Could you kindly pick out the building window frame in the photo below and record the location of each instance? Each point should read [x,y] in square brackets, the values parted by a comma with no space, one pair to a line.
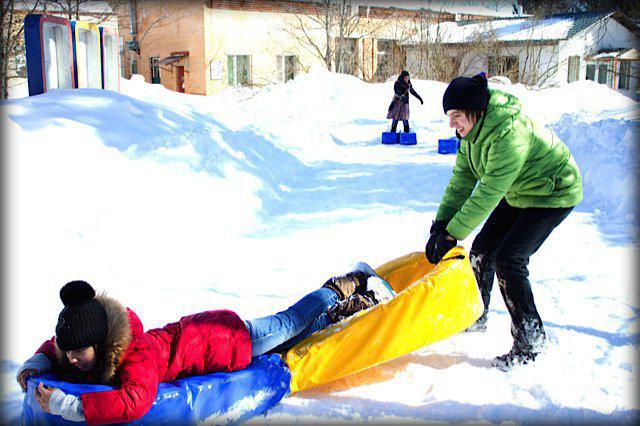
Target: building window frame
[624,75]
[573,68]
[505,65]
[590,72]
[287,65]
[602,72]
[155,70]
[133,66]
[234,78]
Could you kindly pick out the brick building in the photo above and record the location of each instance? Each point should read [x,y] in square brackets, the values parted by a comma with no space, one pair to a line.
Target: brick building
[203,46]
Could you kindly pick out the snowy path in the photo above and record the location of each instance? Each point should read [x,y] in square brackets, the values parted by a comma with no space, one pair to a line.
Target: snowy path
[178,203]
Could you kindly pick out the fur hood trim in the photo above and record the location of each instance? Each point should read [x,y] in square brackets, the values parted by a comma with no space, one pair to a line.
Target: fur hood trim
[115,344]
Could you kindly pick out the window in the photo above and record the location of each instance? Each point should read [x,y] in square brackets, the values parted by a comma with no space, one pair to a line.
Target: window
[239,70]
[574,69]
[346,55]
[134,66]
[287,67]
[610,72]
[591,72]
[385,59]
[155,70]
[504,65]
[623,76]
[602,73]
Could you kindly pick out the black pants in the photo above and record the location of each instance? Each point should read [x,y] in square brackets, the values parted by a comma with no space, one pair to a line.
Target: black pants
[394,125]
[503,247]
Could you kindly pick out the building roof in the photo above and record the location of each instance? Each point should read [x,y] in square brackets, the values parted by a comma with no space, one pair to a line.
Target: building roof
[91,7]
[494,8]
[620,54]
[552,28]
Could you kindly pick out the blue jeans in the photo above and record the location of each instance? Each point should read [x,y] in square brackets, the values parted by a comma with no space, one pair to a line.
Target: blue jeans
[286,328]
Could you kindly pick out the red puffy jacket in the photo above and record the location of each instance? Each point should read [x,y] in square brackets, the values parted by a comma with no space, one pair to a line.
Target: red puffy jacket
[135,362]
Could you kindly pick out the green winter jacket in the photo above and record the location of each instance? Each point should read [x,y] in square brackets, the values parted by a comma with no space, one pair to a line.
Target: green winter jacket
[511,158]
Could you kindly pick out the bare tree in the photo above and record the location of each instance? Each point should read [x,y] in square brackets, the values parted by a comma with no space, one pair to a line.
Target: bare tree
[11,40]
[327,33]
[73,9]
[154,14]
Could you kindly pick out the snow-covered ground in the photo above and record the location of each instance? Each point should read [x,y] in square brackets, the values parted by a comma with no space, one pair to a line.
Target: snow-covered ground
[249,199]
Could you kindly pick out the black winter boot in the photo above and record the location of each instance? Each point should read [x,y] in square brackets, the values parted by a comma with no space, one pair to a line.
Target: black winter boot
[514,358]
[480,326]
[529,342]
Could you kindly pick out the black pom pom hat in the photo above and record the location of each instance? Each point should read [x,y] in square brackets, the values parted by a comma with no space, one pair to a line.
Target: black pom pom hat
[464,93]
[83,321]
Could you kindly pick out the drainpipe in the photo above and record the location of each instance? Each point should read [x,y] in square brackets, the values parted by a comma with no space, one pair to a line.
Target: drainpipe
[133,26]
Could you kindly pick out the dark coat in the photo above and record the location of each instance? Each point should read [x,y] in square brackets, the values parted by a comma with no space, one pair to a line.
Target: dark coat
[135,362]
[399,107]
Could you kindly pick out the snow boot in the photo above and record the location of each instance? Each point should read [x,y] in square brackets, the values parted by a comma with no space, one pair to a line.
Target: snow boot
[480,326]
[381,289]
[514,358]
[347,284]
[355,303]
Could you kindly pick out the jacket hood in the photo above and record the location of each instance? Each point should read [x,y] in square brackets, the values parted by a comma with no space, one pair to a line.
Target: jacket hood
[123,325]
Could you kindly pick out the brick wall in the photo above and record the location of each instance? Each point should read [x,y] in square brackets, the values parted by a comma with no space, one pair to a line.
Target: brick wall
[180,29]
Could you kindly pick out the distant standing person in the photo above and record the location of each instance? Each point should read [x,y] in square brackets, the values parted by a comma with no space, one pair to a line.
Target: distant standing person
[520,175]
[399,107]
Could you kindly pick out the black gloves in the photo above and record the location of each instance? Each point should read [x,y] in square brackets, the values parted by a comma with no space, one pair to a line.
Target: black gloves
[437,226]
[438,244]
[421,101]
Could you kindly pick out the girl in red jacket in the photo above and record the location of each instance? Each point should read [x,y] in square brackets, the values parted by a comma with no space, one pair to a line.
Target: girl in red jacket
[98,340]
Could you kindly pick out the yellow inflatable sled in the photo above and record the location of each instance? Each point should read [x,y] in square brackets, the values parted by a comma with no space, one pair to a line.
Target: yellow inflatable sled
[431,304]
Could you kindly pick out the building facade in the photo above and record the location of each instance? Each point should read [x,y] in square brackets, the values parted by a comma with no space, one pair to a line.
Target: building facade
[204,46]
[545,52]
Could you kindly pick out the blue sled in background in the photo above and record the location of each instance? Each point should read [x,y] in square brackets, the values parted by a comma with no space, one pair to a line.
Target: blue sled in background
[391,138]
[218,398]
[448,146]
[408,139]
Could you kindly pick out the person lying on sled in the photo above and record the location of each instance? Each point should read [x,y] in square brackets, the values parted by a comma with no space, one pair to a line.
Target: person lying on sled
[98,340]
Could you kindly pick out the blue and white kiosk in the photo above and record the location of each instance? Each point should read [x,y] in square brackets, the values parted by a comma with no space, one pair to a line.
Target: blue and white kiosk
[87,62]
[110,59]
[48,45]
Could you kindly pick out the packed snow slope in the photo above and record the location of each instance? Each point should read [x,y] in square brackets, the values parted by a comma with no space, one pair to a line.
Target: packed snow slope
[249,199]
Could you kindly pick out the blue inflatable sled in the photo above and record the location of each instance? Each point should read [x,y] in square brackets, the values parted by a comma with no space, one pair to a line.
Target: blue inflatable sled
[216,398]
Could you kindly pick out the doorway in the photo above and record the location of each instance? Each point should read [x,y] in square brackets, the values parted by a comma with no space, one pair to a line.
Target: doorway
[180,79]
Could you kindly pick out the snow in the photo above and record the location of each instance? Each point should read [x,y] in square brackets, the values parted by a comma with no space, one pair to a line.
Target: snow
[235,412]
[251,198]
[518,29]
[501,8]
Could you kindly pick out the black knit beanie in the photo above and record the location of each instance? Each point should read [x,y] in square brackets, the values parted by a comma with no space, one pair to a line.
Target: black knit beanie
[466,93]
[83,321]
